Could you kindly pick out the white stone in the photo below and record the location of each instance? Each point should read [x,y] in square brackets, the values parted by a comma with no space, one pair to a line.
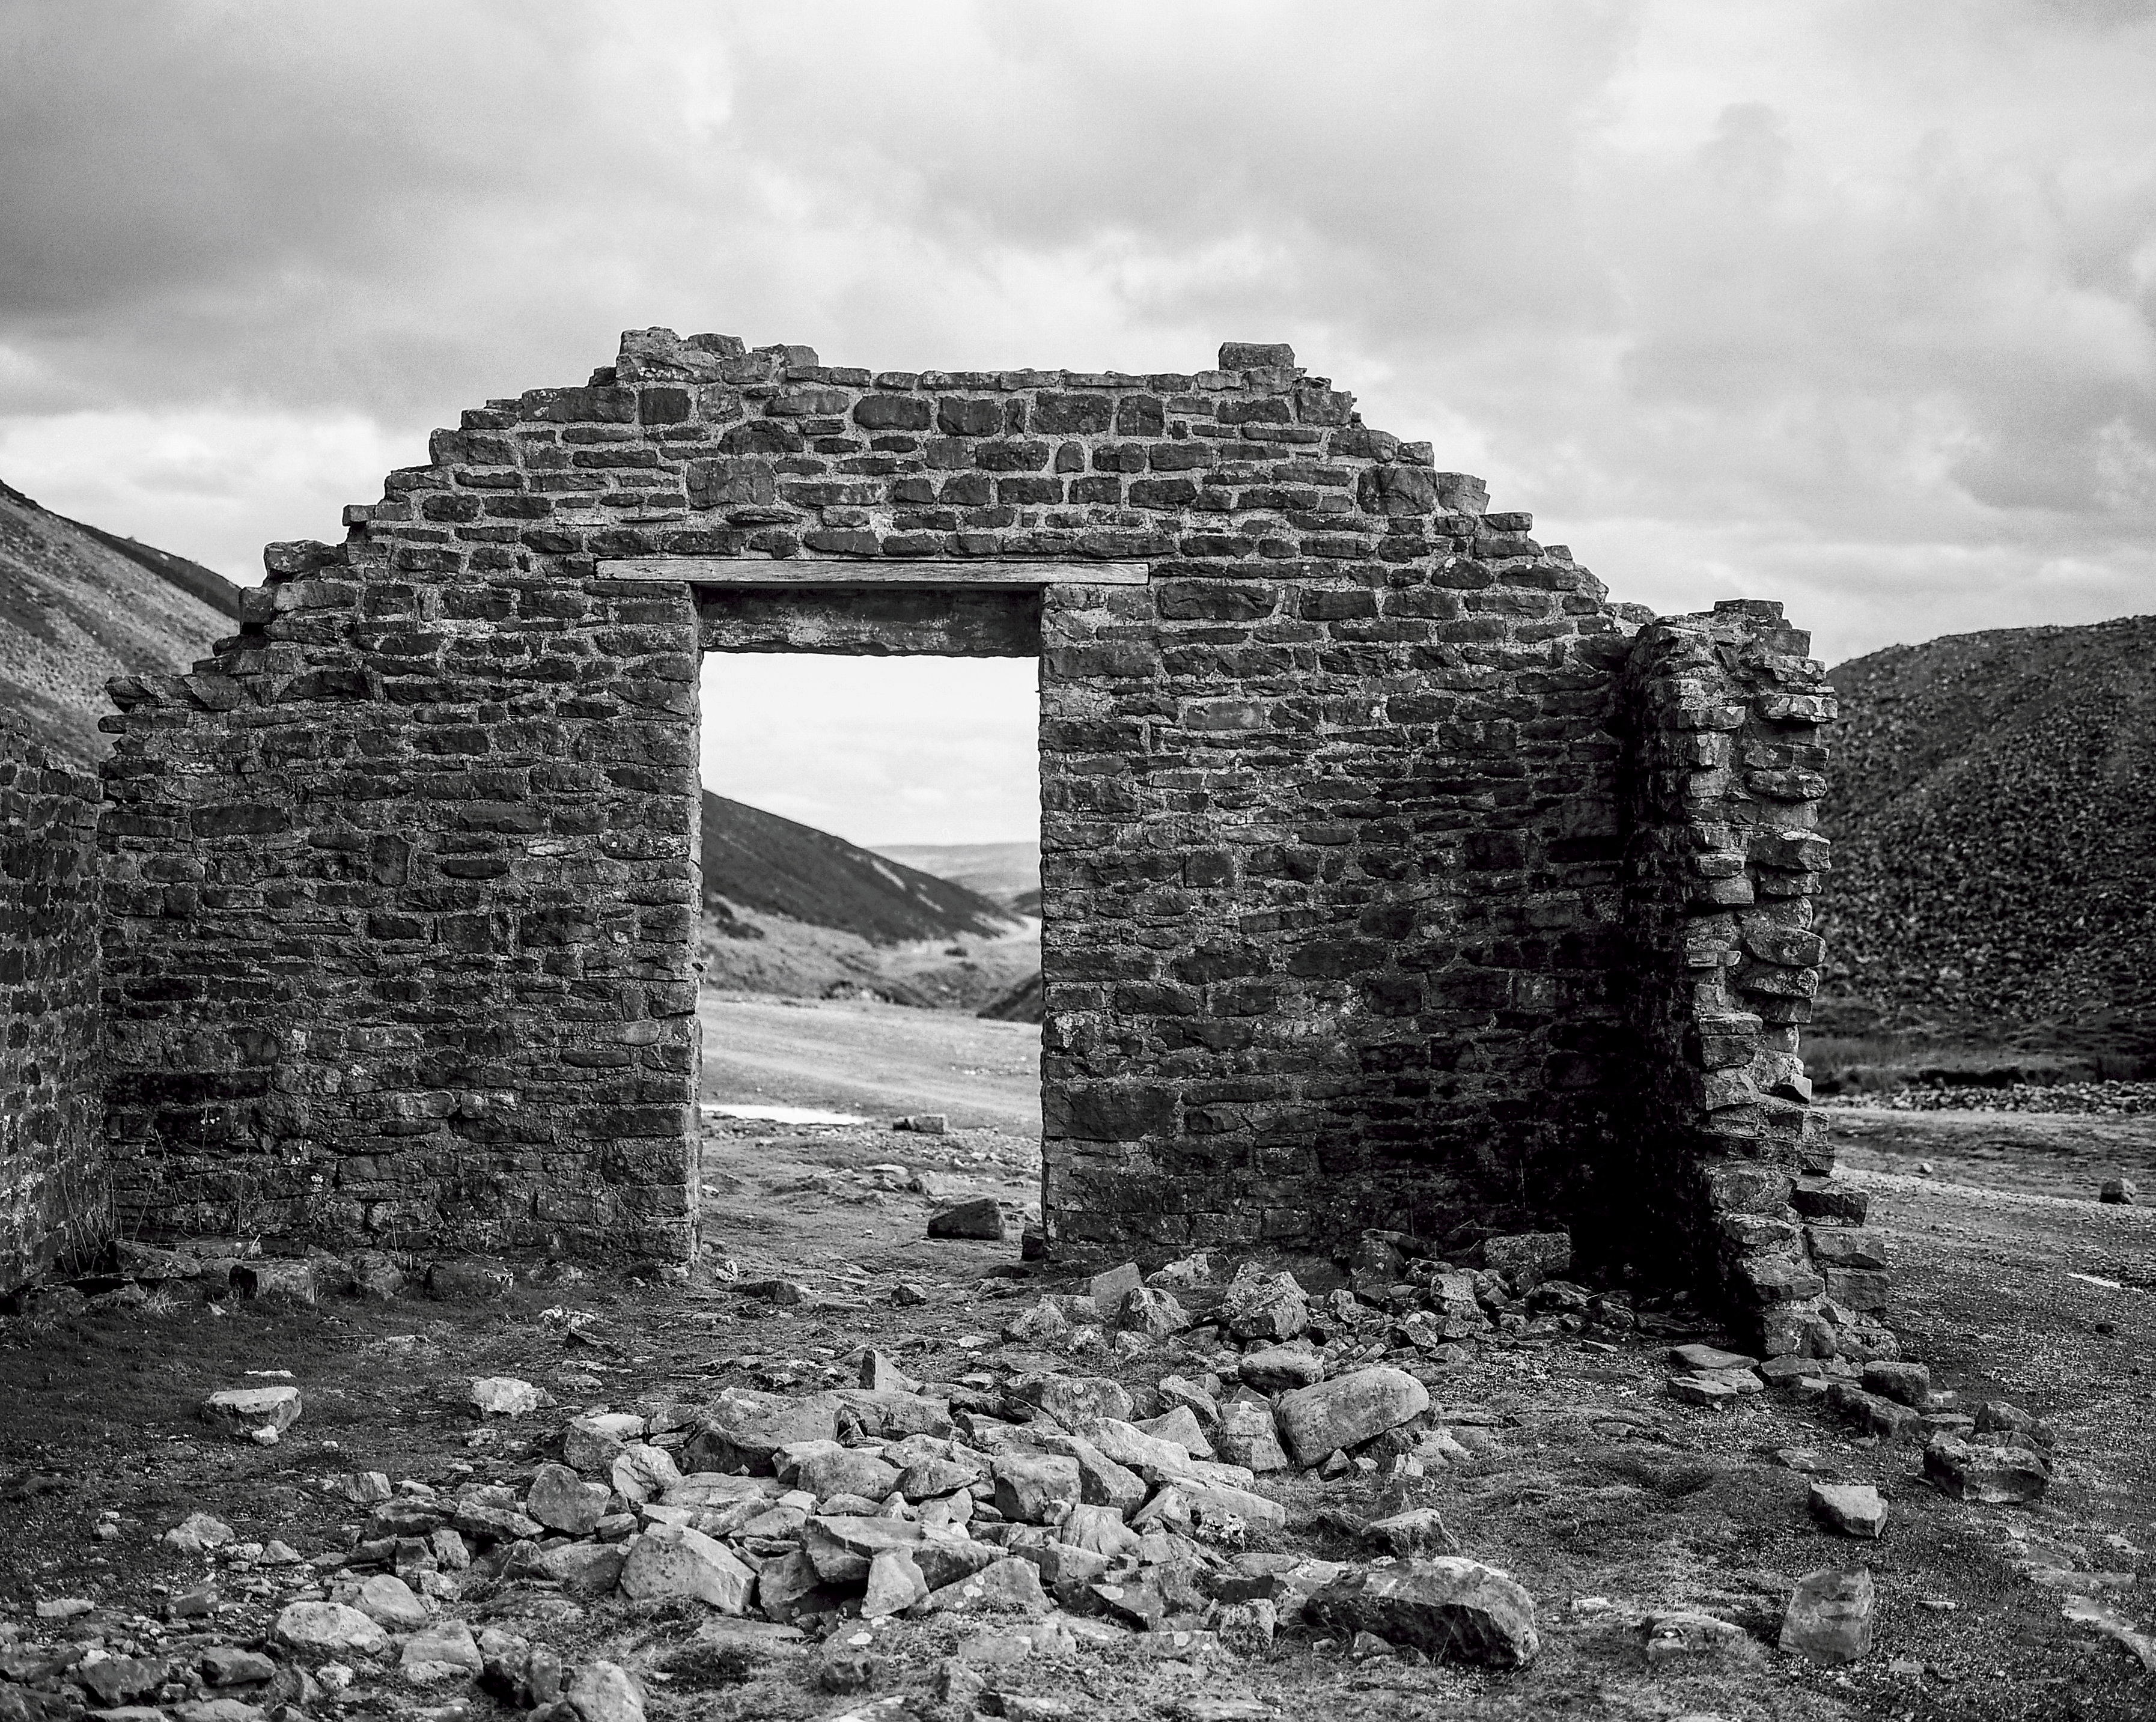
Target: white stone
[505,1396]
[675,1560]
[389,1600]
[445,1652]
[246,1410]
[330,1626]
[606,1692]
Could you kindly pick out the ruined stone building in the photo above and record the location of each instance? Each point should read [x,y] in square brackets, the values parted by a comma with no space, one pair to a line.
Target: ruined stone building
[1392,876]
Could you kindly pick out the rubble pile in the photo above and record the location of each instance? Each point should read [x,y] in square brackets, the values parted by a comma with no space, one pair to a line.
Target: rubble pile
[1135,1468]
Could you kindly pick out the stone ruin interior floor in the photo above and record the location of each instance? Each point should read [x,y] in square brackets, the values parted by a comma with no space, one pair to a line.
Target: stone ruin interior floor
[1570,1465]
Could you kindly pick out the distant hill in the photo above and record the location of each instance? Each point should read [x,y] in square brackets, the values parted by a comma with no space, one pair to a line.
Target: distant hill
[1025,1003]
[758,861]
[78,606]
[1993,811]
[1008,873]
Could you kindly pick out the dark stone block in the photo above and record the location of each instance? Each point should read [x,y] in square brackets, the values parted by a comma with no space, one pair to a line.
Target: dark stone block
[1122,1113]
[981,1218]
[1397,490]
[1059,415]
[957,417]
[893,413]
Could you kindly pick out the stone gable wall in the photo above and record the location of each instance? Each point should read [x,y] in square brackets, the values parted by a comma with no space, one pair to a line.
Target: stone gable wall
[51,1184]
[402,880]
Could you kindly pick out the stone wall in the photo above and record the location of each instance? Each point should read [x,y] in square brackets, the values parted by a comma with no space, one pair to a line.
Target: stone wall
[1724,714]
[51,1188]
[1333,833]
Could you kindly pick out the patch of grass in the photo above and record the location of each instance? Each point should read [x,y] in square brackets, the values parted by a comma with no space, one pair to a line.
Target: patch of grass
[710,1667]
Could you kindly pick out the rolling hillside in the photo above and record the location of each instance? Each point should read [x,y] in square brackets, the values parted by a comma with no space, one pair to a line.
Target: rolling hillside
[78,606]
[1008,873]
[1993,811]
[756,860]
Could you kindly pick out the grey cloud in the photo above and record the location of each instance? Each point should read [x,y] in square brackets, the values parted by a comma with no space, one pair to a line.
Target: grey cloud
[1787,295]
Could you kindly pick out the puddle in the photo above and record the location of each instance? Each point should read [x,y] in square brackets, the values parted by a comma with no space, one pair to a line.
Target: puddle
[784,1114]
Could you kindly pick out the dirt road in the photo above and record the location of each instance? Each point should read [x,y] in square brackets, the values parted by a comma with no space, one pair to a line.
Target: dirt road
[873,1059]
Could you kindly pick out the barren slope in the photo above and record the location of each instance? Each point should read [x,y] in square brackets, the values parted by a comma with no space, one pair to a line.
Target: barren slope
[756,860]
[1994,813]
[78,606]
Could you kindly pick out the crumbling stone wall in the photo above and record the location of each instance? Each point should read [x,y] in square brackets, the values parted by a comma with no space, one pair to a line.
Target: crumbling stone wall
[51,1186]
[1724,714]
[1337,917]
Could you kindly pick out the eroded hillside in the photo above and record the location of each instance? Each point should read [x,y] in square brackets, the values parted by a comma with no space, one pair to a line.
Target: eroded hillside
[1993,811]
[78,606]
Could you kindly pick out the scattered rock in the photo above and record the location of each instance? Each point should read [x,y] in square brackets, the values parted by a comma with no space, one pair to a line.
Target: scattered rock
[197,1533]
[505,1396]
[1829,1619]
[1715,1390]
[1003,1586]
[1151,1311]
[1909,1384]
[1534,1256]
[583,1569]
[1071,1400]
[605,1692]
[1684,1637]
[2001,1416]
[1274,1369]
[1180,1425]
[1177,1389]
[641,1471]
[1109,1288]
[248,1411]
[329,1626]
[1853,1508]
[227,1665]
[116,1679]
[983,1217]
[375,1274]
[1874,1414]
[445,1652]
[849,1471]
[786,1293]
[593,1443]
[895,1583]
[1451,1608]
[561,1500]
[677,1561]
[1265,1306]
[1998,1476]
[1247,1436]
[1034,1488]
[1348,1410]
[387,1599]
[1697,1360]
[1419,1530]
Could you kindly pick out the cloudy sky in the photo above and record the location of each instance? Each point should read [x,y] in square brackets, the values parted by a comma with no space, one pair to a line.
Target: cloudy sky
[1849,304]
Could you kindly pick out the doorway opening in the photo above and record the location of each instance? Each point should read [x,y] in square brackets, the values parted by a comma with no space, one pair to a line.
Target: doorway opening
[868,933]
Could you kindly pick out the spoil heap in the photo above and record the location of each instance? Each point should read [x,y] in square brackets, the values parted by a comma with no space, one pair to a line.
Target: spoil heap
[1991,811]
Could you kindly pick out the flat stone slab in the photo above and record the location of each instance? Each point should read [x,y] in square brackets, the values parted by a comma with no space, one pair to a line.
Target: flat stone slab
[1853,1508]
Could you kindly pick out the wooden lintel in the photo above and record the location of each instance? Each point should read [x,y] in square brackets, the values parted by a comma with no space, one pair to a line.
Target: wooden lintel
[807,570]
